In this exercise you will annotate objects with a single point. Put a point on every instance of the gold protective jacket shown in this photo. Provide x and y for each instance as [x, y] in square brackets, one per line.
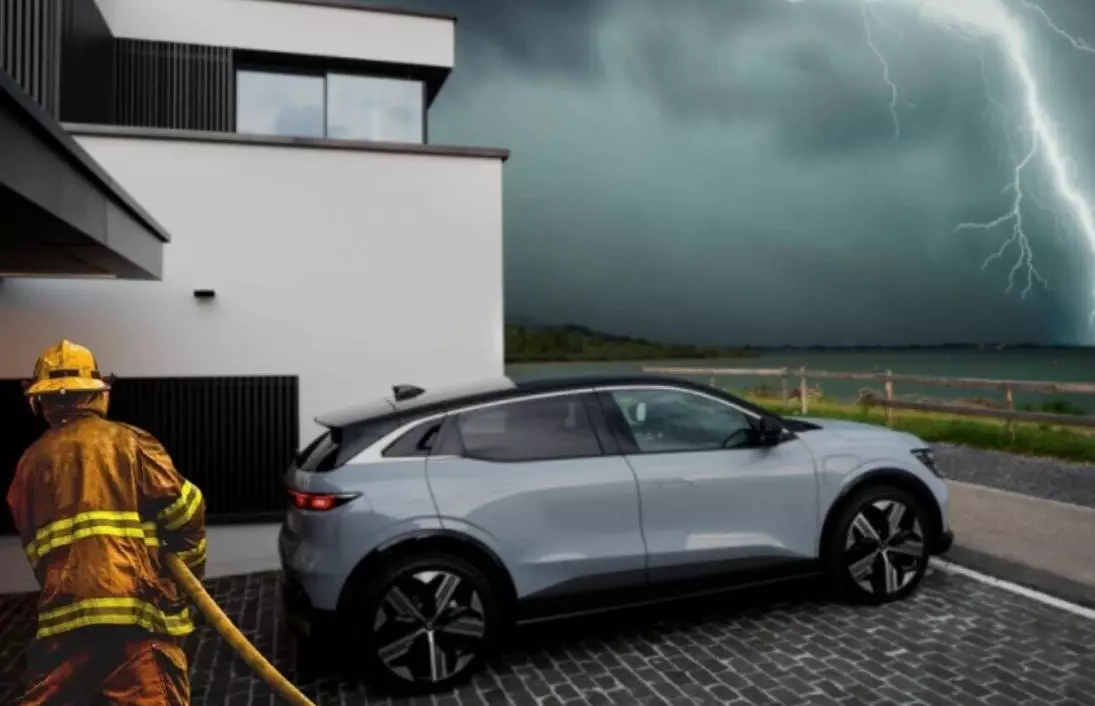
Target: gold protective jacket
[95, 503]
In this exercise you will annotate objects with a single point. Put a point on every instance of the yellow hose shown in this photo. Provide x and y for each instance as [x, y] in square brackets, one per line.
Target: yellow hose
[216, 617]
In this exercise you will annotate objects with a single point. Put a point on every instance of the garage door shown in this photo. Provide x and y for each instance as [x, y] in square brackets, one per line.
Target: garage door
[232, 436]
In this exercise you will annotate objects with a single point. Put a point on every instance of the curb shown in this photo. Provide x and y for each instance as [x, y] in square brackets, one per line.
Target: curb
[1037, 579]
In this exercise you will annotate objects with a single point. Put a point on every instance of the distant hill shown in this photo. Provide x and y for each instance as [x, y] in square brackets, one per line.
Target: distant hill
[569, 343]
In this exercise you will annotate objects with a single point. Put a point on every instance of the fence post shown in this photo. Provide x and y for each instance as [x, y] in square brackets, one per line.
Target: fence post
[1009, 398]
[712, 381]
[784, 380]
[802, 394]
[889, 398]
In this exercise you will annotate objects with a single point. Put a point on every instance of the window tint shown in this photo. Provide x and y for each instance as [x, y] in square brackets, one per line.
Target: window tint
[675, 420]
[270, 103]
[377, 109]
[547, 428]
[343, 106]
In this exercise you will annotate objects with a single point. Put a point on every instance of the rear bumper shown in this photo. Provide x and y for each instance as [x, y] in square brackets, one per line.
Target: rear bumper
[943, 542]
[304, 619]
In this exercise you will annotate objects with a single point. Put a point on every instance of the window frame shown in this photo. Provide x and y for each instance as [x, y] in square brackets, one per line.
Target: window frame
[324, 73]
[451, 442]
[425, 123]
[626, 438]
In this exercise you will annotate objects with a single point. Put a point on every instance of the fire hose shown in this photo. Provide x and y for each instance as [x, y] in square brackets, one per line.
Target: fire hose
[231, 634]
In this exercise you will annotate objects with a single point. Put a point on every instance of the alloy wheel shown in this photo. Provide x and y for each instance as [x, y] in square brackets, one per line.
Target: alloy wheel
[884, 549]
[429, 627]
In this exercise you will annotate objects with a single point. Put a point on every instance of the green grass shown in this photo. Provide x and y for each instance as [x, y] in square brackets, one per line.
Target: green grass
[1069, 443]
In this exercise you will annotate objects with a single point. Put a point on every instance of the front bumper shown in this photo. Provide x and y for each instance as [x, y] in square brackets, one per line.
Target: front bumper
[305, 620]
[943, 542]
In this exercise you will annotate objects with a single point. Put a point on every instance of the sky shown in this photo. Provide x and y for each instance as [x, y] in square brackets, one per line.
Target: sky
[731, 172]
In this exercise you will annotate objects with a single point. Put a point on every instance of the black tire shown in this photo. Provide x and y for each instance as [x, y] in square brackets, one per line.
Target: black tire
[399, 609]
[868, 557]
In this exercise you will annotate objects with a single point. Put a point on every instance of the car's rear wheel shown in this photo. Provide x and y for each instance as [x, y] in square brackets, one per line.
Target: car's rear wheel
[877, 551]
[427, 622]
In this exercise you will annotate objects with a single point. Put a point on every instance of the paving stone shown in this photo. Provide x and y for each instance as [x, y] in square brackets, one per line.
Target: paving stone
[955, 642]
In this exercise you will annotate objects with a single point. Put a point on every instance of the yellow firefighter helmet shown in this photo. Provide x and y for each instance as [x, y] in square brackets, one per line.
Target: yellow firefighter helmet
[66, 367]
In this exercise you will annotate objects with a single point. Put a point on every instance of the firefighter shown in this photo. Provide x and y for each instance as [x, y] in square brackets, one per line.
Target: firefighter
[96, 502]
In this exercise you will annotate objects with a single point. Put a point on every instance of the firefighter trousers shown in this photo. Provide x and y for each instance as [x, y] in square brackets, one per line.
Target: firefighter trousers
[107, 665]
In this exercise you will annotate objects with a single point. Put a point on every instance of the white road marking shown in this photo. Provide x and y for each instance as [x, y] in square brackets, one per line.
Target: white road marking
[1015, 588]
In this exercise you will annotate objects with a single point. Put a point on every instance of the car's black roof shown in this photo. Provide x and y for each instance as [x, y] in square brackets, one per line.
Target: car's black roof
[441, 400]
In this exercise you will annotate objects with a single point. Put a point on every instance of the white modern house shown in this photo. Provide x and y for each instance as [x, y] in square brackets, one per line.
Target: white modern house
[321, 249]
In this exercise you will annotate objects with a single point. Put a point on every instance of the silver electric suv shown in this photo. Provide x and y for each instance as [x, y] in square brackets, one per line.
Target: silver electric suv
[420, 527]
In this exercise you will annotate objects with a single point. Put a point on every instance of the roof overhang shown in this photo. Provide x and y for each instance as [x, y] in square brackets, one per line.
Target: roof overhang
[61, 215]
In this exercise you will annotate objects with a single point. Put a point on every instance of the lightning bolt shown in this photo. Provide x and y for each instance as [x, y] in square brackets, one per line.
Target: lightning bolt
[1018, 234]
[1078, 44]
[993, 21]
[868, 12]
[1014, 216]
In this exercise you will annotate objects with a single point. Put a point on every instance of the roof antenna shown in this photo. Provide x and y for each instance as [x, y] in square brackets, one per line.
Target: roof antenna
[406, 392]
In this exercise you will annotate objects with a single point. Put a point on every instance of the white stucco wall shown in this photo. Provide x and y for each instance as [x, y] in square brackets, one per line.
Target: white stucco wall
[286, 27]
[355, 270]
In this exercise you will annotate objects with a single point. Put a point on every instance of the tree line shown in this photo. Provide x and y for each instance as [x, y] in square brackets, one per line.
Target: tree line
[578, 343]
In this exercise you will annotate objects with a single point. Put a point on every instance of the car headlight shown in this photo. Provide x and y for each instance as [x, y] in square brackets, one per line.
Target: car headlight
[927, 457]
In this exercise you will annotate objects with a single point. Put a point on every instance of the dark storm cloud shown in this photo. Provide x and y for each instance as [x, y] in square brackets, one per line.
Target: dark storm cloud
[726, 170]
[553, 37]
[806, 70]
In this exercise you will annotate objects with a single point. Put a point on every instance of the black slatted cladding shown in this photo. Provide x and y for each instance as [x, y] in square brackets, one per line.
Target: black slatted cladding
[30, 48]
[174, 86]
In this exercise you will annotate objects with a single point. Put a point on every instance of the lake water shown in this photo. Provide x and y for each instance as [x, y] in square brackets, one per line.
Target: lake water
[1053, 365]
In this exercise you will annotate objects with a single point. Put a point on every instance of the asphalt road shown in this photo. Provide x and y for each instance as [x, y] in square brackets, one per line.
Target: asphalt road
[1046, 478]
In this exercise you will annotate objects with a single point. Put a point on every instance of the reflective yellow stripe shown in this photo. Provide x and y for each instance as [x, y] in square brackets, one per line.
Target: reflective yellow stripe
[112, 611]
[195, 555]
[110, 524]
[100, 603]
[90, 516]
[180, 502]
[32, 554]
[119, 619]
[103, 530]
[182, 510]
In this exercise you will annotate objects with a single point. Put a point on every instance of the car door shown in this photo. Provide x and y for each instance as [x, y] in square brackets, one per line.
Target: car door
[711, 496]
[530, 477]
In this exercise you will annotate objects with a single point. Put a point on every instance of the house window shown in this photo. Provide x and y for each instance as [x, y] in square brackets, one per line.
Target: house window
[334, 105]
[377, 109]
[269, 103]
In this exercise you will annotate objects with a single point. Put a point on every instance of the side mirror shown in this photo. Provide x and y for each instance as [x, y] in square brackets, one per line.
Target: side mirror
[770, 433]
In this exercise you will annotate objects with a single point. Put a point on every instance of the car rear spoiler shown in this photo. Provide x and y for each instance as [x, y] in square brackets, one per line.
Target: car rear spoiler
[378, 407]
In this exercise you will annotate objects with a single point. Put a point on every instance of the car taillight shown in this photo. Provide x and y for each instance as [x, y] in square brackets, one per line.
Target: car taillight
[319, 502]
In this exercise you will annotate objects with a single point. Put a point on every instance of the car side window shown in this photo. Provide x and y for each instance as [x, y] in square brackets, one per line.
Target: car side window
[531, 430]
[665, 421]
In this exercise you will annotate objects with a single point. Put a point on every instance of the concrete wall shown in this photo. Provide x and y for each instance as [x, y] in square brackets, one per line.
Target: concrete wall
[286, 27]
[353, 269]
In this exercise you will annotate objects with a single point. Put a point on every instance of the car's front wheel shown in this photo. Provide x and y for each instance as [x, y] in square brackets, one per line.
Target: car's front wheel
[427, 622]
[877, 551]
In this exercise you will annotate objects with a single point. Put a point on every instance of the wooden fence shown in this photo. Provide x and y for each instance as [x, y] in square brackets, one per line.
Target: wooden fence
[889, 403]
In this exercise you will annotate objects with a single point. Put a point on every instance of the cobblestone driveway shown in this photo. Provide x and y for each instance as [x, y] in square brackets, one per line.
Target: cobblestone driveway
[956, 642]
